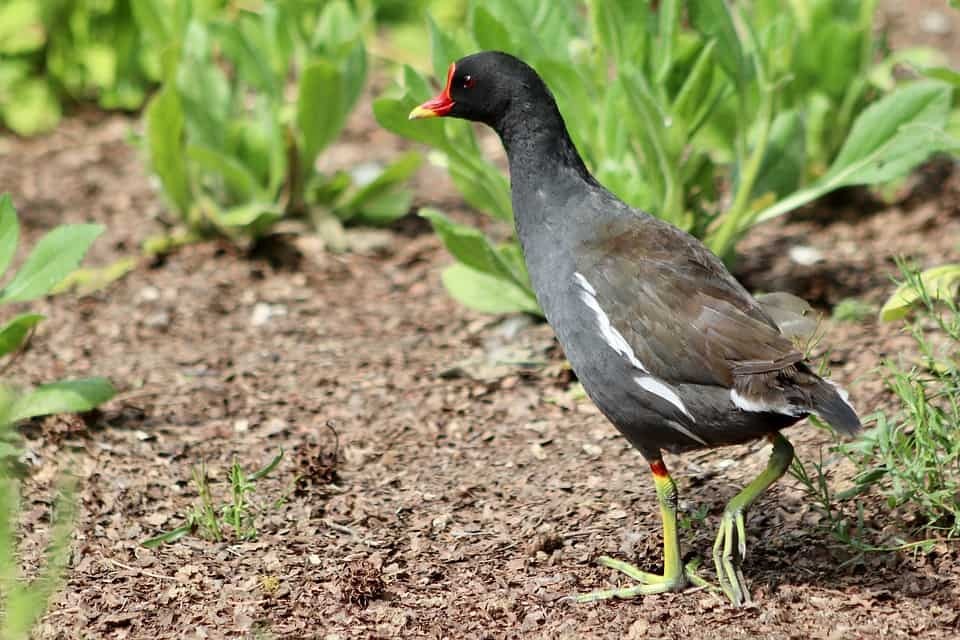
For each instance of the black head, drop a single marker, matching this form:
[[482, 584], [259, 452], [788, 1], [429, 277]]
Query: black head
[[485, 87]]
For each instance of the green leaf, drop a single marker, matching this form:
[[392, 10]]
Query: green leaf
[[9, 231], [385, 183], [877, 148], [783, 160], [712, 18], [66, 396], [489, 32], [169, 536], [30, 107], [321, 107], [393, 114], [471, 247], [51, 260], [939, 283], [21, 27], [487, 293], [238, 178], [887, 140], [16, 331], [256, 475], [253, 218], [164, 127]]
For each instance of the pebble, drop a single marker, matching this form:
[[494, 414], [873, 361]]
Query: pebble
[[935, 22], [264, 312], [805, 256]]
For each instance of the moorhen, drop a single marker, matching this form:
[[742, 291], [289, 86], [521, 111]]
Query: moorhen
[[671, 348]]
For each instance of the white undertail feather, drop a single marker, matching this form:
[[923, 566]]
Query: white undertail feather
[[618, 343], [747, 404]]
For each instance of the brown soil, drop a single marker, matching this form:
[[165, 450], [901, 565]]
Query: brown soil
[[424, 496]]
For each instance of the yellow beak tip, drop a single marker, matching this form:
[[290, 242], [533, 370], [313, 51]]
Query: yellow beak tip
[[420, 113]]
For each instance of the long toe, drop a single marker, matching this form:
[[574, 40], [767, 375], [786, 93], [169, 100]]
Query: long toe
[[647, 583], [728, 552]]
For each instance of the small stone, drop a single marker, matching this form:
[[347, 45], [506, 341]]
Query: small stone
[[805, 256], [264, 312], [935, 22], [160, 320], [592, 450]]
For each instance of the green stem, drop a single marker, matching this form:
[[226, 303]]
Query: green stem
[[725, 238]]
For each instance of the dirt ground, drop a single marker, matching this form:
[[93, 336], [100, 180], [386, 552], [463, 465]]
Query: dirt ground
[[458, 500]]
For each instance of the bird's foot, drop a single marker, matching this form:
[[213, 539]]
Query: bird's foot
[[729, 550], [649, 583]]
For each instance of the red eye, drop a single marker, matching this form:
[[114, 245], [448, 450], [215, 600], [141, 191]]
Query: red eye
[[468, 82]]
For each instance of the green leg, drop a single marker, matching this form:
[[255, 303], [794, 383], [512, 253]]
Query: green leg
[[675, 576], [731, 545]]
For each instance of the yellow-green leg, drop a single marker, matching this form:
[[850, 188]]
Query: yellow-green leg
[[675, 576], [730, 547]]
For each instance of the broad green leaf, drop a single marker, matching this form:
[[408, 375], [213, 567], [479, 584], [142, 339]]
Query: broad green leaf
[[783, 160], [471, 247], [164, 128], [487, 293], [21, 27], [16, 331], [66, 396], [30, 107], [9, 232], [321, 107], [51, 260], [489, 32], [887, 140], [712, 18], [253, 218], [237, 177], [385, 208], [393, 114], [396, 173], [944, 74], [939, 283], [876, 148], [694, 93], [443, 48]]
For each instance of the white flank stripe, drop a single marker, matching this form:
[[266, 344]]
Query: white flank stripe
[[673, 424], [610, 334], [619, 344], [662, 390], [761, 407]]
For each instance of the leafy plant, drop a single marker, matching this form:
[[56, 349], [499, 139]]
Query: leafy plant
[[23, 603], [939, 284], [911, 457], [81, 50], [235, 145], [238, 513], [53, 258], [666, 104], [852, 310]]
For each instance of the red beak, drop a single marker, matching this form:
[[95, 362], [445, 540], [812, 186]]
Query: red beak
[[438, 106]]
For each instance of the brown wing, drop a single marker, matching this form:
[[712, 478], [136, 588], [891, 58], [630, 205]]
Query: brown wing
[[686, 318]]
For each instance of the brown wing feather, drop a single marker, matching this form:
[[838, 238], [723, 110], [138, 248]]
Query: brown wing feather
[[683, 302]]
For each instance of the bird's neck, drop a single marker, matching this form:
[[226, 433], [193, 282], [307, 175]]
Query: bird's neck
[[546, 169]]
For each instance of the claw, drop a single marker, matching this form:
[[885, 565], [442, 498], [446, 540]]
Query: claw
[[650, 583], [732, 535]]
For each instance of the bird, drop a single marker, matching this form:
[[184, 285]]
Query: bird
[[671, 348]]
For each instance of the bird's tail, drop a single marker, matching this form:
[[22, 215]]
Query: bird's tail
[[830, 403]]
